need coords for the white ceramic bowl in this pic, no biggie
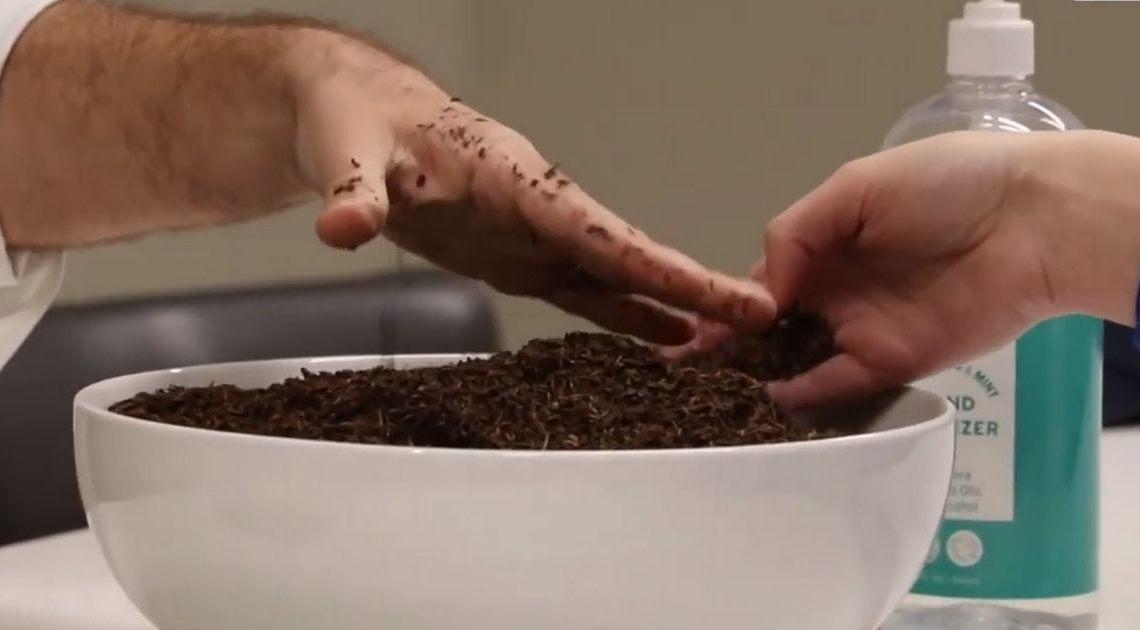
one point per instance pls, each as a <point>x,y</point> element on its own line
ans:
<point>220,531</point>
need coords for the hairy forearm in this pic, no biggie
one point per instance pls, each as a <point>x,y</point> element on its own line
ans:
<point>1090,183</point>
<point>114,123</point>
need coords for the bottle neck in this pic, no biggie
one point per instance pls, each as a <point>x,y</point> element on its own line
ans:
<point>989,86</point>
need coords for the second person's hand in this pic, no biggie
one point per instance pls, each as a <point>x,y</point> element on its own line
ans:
<point>928,254</point>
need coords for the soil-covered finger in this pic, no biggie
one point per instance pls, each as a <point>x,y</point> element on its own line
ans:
<point>626,314</point>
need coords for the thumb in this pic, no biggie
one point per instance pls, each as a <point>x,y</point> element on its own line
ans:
<point>346,150</point>
<point>828,218</point>
<point>356,205</point>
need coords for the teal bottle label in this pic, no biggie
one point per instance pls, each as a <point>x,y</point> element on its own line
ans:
<point>1021,517</point>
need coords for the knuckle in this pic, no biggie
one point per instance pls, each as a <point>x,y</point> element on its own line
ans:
<point>853,173</point>
<point>778,230</point>
<point>515,139</point>
<point>507,139</point>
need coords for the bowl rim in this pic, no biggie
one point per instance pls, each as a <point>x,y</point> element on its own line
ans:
<point>84,409</point>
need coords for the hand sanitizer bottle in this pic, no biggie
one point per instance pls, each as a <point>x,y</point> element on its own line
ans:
<point>1019,541</point>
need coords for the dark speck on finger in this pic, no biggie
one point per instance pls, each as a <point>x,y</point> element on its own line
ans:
<point>421,180</point>
<point>482,153</point>
<point>354,163</point>
<point>599,232</point>
<point>533,183</point>
<point>550,172</point>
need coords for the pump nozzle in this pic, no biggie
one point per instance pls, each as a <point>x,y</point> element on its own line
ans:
<point>991,39</point>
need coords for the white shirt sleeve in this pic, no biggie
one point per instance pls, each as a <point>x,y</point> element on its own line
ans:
<point>29,281</point>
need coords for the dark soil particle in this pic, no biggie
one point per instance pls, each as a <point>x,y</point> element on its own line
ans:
<point>795,344</point>
<point>583,391</point>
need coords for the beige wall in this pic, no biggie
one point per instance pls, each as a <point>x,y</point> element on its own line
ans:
<point>696,120</point>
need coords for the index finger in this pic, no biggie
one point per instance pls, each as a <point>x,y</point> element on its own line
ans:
<point>621,255</point>
<point>826,218</point>
<point>625,257</point>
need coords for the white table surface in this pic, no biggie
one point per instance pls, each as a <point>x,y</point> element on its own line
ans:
<point>62,582</point>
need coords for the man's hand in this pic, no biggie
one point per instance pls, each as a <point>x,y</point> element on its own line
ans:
<point>395,155</point>
<point>932,253</point>
<point>117,123</point>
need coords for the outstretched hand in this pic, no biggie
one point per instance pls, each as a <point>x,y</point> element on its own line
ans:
<point>397,156</point>
<point>928,254</point>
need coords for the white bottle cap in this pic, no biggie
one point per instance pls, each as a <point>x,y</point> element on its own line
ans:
<point>991,39</point>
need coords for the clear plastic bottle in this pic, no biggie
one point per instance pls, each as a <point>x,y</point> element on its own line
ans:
<point>1019,542</point>
<point>982,103</point>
